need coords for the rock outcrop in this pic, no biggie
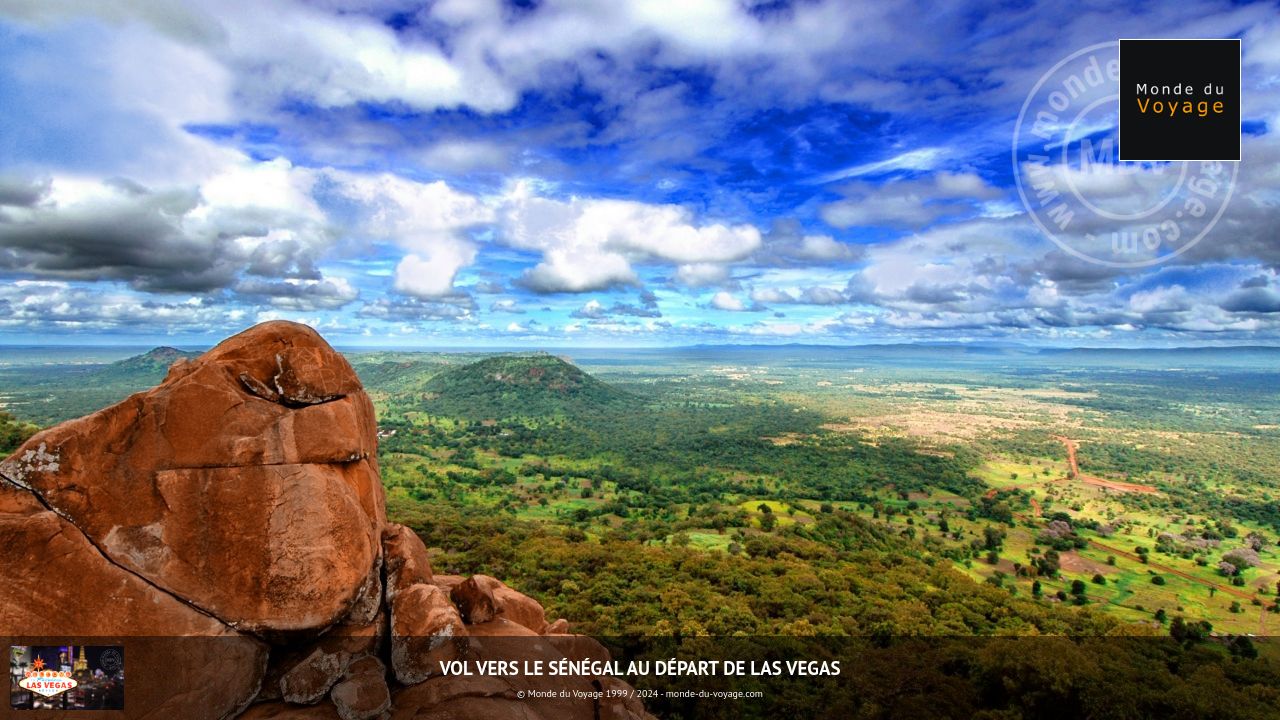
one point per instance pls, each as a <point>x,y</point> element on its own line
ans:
<point>228,527</point>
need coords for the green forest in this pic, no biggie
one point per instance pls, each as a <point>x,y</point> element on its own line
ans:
<point>859,505</point>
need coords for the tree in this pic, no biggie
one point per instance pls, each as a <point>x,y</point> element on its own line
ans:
<point>1098,579</point>
<point>1241,646</point>
<point>768,521</point>
<point>1157,580</point>
<point>1189,633</point>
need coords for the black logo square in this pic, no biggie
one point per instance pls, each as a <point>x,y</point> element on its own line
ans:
<point>1179,100</point>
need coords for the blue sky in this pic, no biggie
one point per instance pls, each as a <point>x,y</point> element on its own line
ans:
<point>592,173</point>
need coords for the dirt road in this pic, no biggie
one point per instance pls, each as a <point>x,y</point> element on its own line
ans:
<point>1116,485</point>
<point>1172,571</point>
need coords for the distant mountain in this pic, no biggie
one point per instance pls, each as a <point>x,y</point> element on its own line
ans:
<point>991,351</point>
<point>514,385</point>
<point>143,370</point>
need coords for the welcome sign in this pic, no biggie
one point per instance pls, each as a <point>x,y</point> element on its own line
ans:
<point>66,677</point>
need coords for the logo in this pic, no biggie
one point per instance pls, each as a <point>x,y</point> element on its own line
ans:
<point>1082,196</point>
<point>47,682</point>
<point>1180,100</point>
<point>66,677</point>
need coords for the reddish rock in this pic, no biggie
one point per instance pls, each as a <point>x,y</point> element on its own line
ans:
<point>310,679</point>
<point>447,582</point>
<point>246,483</point>
<point>407,560</point>
<point>580,647</point>
<point>500,627</point>
<point>283,711</point>
<point>425,630</point>
<point>481,598</point>
<point>621,703</point>
<point>363,692</point>
<point>368,605</point>
<point>58,585</point>
<point>559,627</point>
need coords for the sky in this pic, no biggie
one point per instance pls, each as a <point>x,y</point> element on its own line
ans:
<point>590,173</point>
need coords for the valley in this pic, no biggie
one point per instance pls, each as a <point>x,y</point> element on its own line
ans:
<point>830,491</point>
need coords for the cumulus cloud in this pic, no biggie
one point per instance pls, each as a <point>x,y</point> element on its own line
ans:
<point>724,300</point>
<point>299,294</point>
<point>591,310</point>
<point>430,220</point>
<point>787,245</point>
<point>43,305</point>
<point>589,244</point>
<point>772,296</point>
<point>818,295</point>
<point>697,275</point>
<point>431,274</point>
<point>506,305</point>
<point>254,218</point>
<point>412,309</point>
<point>812,295</point>
<point>157,96</point>
<point>595,310</point>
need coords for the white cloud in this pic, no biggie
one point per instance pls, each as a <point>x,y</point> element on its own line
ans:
<point>1173,298</point>
<point>771,296</point>
<point>505,305</point>
<point>727,301</point>
<point>464,156</point>
<point>566,270</point>
<point>427,219</point>
<point>431,274</point>
<point>589,244</point>
<point>909,203</point>
<point>36,305</point>
<point>696,275</point>
<point>592,309</point>
<point>919,159</point>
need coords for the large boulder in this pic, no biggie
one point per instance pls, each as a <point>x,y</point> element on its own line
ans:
<point>407,560</point>
<point>227,527</point>
<point>481,598</point>
<point>363,693</point>
<point>426,630</point>
<point>58,585</point>
<point>245,484</point>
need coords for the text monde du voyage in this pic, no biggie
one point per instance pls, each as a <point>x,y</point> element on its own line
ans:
<point>1181,99</point>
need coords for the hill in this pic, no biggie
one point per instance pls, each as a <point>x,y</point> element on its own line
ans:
<point>143,370</point>
<point>519,385</point>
